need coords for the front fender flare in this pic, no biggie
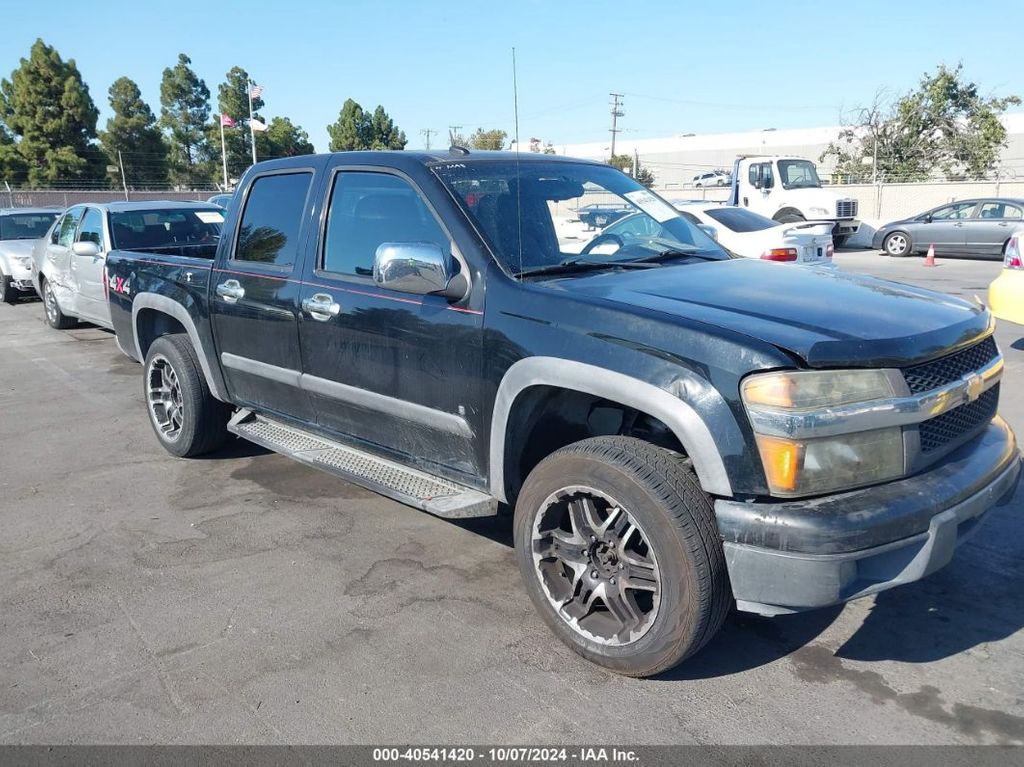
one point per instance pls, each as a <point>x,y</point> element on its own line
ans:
<point>674,411</point>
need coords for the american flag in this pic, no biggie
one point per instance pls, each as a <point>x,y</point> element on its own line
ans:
<point>255,91</point>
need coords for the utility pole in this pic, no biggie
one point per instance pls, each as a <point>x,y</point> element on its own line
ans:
<point>616,114</point>
<point>453,131</point>
<point>427,133</point>
<point>636,163</point>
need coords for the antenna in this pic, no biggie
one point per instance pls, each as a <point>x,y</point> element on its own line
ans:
<point>519,201</point>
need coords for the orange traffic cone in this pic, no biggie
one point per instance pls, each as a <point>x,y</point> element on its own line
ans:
<point>929,260</point>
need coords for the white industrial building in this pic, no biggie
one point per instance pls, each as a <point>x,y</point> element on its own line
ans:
<point>675,160</point>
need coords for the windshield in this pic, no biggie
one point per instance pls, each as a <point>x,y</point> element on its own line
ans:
<point>798,174</point>
<point>740,220</point>
<point>26,226</point>
<point>541,215</point>
<point>170,228</point>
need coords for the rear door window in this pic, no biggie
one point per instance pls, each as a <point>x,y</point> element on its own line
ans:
<point>272,219</point>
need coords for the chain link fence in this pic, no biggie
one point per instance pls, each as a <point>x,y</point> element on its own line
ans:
<point>65,198</point>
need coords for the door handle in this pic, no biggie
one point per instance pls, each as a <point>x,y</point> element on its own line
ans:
<point>230,291</point>
<point>958,224</point>
<point>1004,223</point>
<point>321,306</point>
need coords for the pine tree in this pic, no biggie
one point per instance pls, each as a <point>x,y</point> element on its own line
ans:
<point>47,106</point>
<point>282,139</point>
<point>358,129</point>
<point>132,132</point>
<point>184,113</point>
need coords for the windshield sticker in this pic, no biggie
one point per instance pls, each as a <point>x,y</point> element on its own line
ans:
<point>210,216</point>
<point>657,209</point>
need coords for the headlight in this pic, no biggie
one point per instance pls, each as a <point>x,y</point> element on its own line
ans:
<point>819,211</point>
<point>796,464</point>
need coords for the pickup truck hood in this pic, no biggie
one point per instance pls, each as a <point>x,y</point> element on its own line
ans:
<point>826,317</point>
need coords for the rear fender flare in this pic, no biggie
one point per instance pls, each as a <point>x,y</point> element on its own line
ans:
<point>174,309</point>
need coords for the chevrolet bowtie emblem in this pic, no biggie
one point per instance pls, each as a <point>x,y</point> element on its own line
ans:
<point>975,385</point>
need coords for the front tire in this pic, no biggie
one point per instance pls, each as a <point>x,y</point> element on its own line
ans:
<point>620,553</point>
<point>8,294</point>
<point>185,416</point>
<point>897,244</point>
<point>55,318</point>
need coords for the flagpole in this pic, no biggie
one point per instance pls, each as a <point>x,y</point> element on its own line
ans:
<point>252,131</point>
<point>223,152</point>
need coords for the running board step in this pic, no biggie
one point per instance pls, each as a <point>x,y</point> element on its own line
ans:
<point>409,486</point>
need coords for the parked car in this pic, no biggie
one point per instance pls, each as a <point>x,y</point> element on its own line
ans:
<point>751,235</point>
<point>19,229</point>
<point>68,264</point>
<point>599,215</point>
<point>1006,293</point>
<point>221,200</point>
<point>980,227</point>
<point>715,178</point>
<point>679,430</point>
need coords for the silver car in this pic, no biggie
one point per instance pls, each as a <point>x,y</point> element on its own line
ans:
<point>19,229</point>
<point>979,227</point>
<point>68,265</point>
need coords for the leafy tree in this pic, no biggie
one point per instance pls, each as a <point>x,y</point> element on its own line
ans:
<point>548,148</point>
<point>385,134</point>
<point>488,139</point>
<point>13,169</point>
<point>357,129</point>
<point>621,161</point>
<point>283,139</point>
<point>132,131</point>
<point>184,112</point>
<point>233,99</point>
<point>645,176</point>
<point>944,127</point>
<point>48,107</point>
<point>351,130</point>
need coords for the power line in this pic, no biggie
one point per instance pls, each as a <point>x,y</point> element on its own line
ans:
<point>427,133</point>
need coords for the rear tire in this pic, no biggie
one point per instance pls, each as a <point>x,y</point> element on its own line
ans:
<point>55,318</point>
<point>897,244</point>
<point>185,416</point>
<point>620,553</point>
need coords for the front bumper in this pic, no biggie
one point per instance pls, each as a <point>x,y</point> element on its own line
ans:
<point>799,555</point>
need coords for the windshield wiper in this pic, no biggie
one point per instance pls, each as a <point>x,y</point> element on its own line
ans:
<point>575,265</point>
<point>671,253</point>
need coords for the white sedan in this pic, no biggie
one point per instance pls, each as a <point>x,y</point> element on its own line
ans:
<point>751,235</point>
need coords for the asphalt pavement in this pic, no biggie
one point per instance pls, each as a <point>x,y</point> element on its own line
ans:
<point>243,598</point>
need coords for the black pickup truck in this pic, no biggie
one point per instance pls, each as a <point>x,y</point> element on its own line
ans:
<point>678,430</point>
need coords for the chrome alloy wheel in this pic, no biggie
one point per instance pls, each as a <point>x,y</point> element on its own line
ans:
<point>164,398</point>
<point>50,303</point>
<point>896,244</point>
<point>596,566</point>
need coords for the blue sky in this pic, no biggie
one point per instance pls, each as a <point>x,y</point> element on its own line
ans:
<point>709,67</point>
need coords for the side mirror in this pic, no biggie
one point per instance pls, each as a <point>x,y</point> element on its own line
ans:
<point>709,230</point>
<point>86,249</point>
<point>757,182</point>
<point>927,218</point>
<point>768,183</point>
<point>421,268</point>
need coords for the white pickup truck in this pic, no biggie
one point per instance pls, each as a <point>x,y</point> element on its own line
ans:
<point>787,189</point>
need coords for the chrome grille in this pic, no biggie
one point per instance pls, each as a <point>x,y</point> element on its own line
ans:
<point>846,209</point>
<point>932,375</point>
<point>956,423</point>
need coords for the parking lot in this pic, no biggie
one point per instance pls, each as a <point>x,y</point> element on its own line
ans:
<point>244,598</point>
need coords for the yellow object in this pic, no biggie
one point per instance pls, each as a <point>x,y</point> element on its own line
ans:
<point>1006,296</point>
<point>781,459</point>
